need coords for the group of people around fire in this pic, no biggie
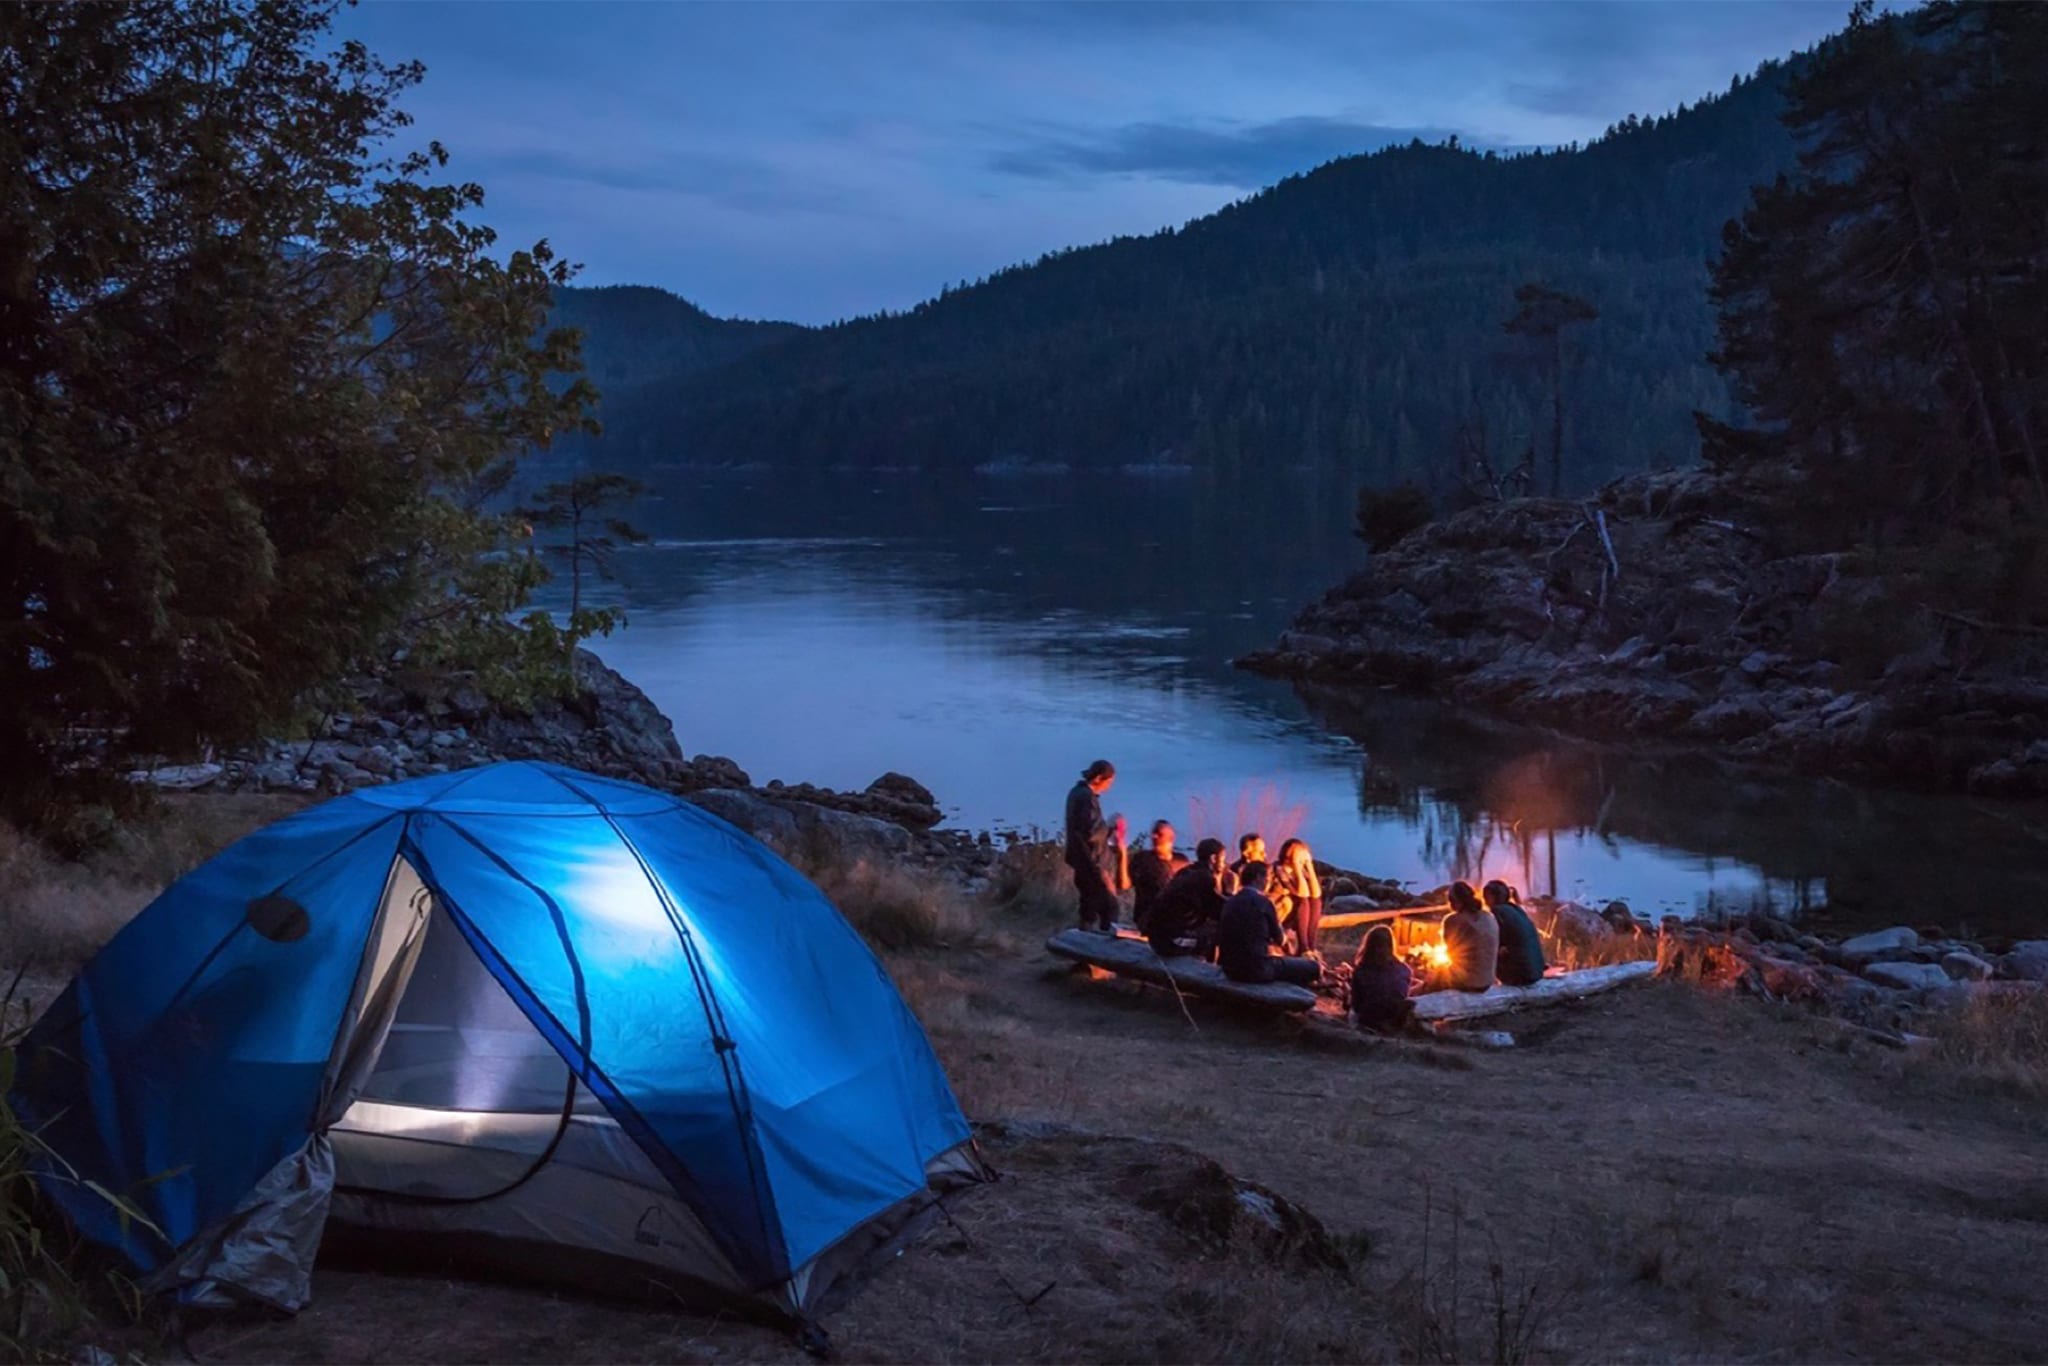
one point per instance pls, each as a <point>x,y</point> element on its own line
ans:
<point>1259,918</point>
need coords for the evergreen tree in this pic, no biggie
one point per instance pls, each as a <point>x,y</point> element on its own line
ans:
<point>1542,314</point>
<point>589,544</point>
<point>1882,309</point>
<point>256,374</point>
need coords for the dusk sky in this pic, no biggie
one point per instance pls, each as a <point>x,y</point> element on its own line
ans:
<point>814,162</point>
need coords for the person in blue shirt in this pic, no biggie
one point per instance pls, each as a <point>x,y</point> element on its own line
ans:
<point>1249,930</point>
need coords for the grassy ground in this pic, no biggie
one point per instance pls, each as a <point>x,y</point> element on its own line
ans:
<point>1656,1174</point>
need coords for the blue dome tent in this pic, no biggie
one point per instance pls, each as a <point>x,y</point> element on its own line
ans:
<point>518,1007</point>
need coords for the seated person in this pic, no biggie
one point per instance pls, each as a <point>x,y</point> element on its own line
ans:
<point>1182,918</point>
<point>1380,983</point>
<point>1250,849</point>
<point>1472,937</point>
<point>1151,870</point>
<point>1247,932</point>
<point>1521,948</point>
<point>1298,895</point>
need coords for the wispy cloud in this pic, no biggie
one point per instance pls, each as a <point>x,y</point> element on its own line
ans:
<point>1235,155</point>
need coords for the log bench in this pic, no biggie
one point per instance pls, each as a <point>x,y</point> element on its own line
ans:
<point>1563,986</point>
<point>1134,958</point>
<point>1127,955</point>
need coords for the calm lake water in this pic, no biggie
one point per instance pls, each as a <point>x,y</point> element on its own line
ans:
<point>992,636</point>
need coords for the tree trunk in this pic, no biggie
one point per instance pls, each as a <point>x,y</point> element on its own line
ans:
<point>1557,413</point>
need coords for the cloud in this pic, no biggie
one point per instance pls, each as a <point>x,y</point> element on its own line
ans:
<point>1238,155</point>
<point>731,181</point>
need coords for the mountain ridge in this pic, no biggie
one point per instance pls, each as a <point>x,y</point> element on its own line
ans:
<point>1346,319</point>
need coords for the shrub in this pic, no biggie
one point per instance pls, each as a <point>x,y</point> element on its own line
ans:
<point>896,909</point>
<point>1032,883</point>
<point>1385,516</point>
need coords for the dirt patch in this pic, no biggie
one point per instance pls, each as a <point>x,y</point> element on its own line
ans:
<point>1090,1248</point>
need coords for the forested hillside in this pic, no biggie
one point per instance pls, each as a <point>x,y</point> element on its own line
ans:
<point>1349,319</point>
<point>634,334</point>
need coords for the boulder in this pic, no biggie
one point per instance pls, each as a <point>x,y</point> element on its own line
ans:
<point>906,801</point>
<point>770,822</point>
<point>1880,941</point>
<point>1570,923</point>
<point>806,833</point>
<point>1907,976</point>
<point>2027,962</point>
<point>1965,967</point>
<point>178,777</point>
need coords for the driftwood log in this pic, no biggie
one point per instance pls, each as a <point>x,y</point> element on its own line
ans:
<point>1134,958</point>
<point>1345,912</point>
<point>1566,986</point>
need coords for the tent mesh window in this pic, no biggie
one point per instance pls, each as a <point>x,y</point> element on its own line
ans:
<point>467,1099</point>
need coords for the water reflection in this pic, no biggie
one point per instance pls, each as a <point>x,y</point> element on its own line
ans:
<point>992,636</point>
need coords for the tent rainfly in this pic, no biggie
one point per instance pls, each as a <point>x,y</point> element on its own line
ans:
<point>569,1022</point>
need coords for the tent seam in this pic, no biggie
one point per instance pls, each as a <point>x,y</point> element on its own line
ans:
<point>738,1095</point>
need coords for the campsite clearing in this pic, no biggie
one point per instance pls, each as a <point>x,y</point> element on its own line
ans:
<point>1663,1169</point>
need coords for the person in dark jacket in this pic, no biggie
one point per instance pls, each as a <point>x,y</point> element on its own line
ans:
<point>1151,869</point>
<point>1182,920</point>
<point>1521,947</point>
<point>1091,844</point>
<point>1248,931</point>
<point>1380,983</point>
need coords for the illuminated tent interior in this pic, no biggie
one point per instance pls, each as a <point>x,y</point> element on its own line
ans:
<point>556,1022</point>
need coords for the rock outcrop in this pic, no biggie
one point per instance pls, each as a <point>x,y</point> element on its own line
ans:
<point>1663,609</point>
<point>408,726</point>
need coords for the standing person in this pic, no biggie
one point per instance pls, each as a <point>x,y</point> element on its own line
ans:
<point>1521,948</point>
<point>1091,845</point>
<point>1151,869</point>
<point>1249,930</point>
<point>1294,877</point>
<point>1182,921</point>
<point>1380,983</point>
<point>1472,937</point>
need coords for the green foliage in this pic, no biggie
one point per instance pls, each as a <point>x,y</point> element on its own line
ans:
<point>1385,516</point>
<point>1881,308</point>
<point>575,508</point>
<point>52,1289</point>
<point>258,376</point>
<point>1337,320</point>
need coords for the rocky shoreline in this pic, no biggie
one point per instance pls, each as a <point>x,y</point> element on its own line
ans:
<point>1663,610</point>
<point>396,728</point>
<point>402,726</point>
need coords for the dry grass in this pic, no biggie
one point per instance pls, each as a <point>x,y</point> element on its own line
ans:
<point>1599,953</point>
<point>1031,886</point>
<point>1997,1041</point>
<point>898,910</point>
<point>1088,1249</point>
<point>1264,809</point>
<point>1461,1301</point>
<point>55,913</point>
